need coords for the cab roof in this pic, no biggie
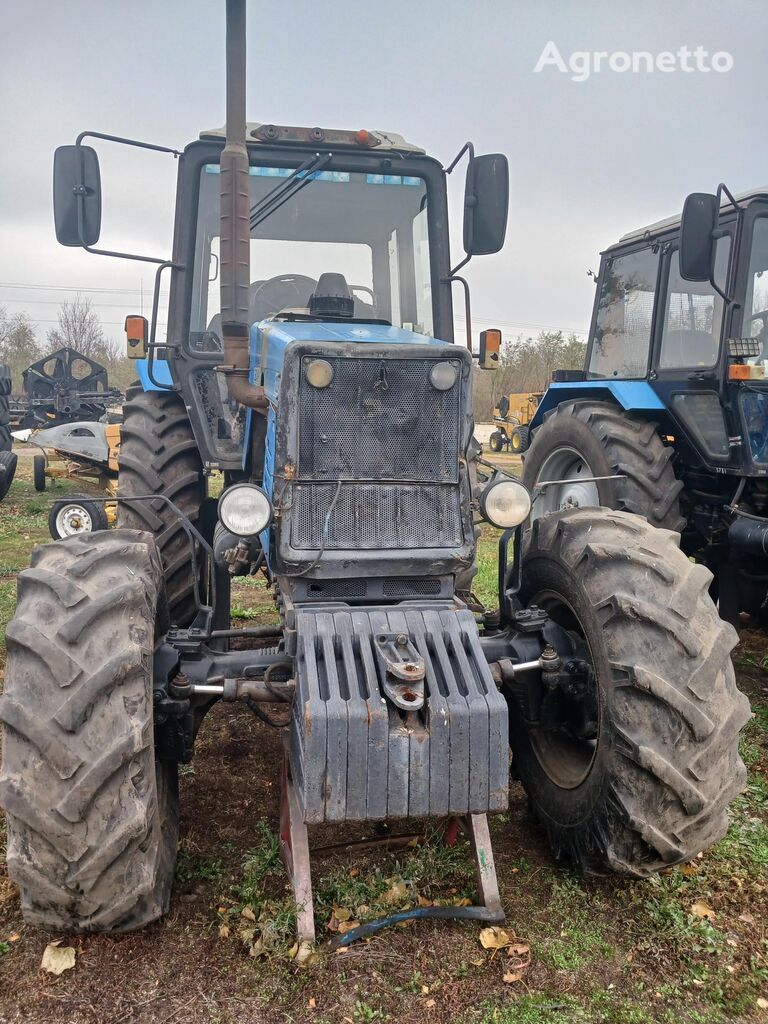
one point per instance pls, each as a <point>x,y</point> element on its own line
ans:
<point>364,139</point>
<point>670,223</point>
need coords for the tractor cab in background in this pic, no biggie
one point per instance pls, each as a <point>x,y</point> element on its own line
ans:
<point>674,392</point>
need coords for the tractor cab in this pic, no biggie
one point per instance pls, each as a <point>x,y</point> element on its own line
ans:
<point>692,353</point>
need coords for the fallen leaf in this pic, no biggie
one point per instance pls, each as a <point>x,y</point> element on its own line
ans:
<point>430,1003</point>
<point>248,914</point>
<point>347,926</point>
<point>14,937</point>
<point>424,902</point>
<point>495,938</point>
<point>354,872</point>
<point>312,1003</point>
<point>58,958</point>
<point>342,914</point>
<point>304,953</point>
<point>689,869</point>
<point>747,918</point>
<point>396,893</point>
<point>511,977</point>
<point>702,910</point>
<point>223,931</point>
<point>762,1003</point>
<point>425,990</point>
<point>518,949</point>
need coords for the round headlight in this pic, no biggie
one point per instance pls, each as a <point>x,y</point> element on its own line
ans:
<point>319,373</point>
<point>245,510</point>
<point>505,503</point>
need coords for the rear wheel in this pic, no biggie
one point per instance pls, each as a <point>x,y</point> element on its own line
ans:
<point>519,440</point>
<point>159,455</point>
<point>92,814</point>
<point>642,780</point>
<point>596,439</point>
<point>6,441</point>
<point>8,462</point>
<point>38,472</point>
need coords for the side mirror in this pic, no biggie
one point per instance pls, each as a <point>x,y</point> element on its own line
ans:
<point>490,345</point>
<point>697,242</point>
<point>486,204</point>
<point>76,195</point>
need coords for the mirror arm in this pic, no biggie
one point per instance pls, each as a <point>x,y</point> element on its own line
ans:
<point>152,346</point>
<point>468,147</point>
<point>717,232</point>
<point>81,192</point>
<point>467,307</point>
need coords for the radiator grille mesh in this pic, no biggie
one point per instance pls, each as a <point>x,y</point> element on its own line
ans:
<point>380,419</point>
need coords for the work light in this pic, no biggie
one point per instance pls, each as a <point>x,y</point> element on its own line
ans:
<point>245,510</point>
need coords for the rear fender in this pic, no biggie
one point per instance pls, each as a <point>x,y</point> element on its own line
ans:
<point>630,395</point>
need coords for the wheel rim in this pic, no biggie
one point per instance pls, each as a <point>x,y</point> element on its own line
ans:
<point>565,759</point>
<point>565,464</point>
<point>73,519</point>
<point>516,442</point>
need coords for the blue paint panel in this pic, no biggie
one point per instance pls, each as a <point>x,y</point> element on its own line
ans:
<point>161,371</point>
<point>631,395</point>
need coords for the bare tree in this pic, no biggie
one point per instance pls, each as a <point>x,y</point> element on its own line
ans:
<point>526,364</point>
<point>18,344</point>
<point>79,327</point>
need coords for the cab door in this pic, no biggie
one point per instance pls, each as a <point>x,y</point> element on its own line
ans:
<point>689,364</point>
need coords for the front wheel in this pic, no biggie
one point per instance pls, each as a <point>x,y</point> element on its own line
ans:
<point>76,514</point>
<point>497,441</point>
<point>643,780</point>
<point>92,812</point>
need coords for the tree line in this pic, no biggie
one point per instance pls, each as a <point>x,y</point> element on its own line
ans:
<point>78,327</point>
<point>526,364</point>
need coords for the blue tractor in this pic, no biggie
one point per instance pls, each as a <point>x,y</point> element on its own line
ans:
<point>669,419</point>
<point>325,388</point>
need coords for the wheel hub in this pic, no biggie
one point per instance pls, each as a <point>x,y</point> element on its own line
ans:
<point>577,490</point>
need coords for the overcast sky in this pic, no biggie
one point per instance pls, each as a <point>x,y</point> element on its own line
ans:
<point>589,160</point>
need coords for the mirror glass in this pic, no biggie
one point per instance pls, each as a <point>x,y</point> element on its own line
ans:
<point>486,202</point>
<point>696,243</point>
<point>76,195</point>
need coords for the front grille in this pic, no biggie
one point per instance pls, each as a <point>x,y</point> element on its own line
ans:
<point>375,516</point>
<point>380,419</point>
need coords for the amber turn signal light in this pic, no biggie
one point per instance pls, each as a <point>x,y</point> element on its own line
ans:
<point>490,347</point>
<point>136,333</point>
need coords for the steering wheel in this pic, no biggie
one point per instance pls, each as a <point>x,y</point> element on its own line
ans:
<point>280,292</point>
<point>762,336</point>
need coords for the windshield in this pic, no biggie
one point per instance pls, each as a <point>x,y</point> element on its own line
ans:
<point>369,228</point>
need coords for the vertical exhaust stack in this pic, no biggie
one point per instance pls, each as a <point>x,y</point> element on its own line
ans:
<point>235,223</point>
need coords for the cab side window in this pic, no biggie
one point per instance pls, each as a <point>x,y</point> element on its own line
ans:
<point>622,339</point>
<point>693,316</point>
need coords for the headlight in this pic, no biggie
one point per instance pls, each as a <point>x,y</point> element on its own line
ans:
<point>245,510</point>
<point>505,503</point>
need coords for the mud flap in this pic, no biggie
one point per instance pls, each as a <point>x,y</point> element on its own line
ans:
<point>355,755</point>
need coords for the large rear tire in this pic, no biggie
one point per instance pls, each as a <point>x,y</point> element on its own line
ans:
<point>597,439</point>
<point>159,455</point>
<point>651,786</point>
<point>6,441</point>
<point>92,814</point>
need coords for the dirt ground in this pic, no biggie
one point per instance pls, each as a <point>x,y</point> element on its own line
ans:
<point>688,946</point>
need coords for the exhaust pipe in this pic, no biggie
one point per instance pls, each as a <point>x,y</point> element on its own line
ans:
<point>235,212</point>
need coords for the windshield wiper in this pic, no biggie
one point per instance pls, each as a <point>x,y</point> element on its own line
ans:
<point>288,188</point>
